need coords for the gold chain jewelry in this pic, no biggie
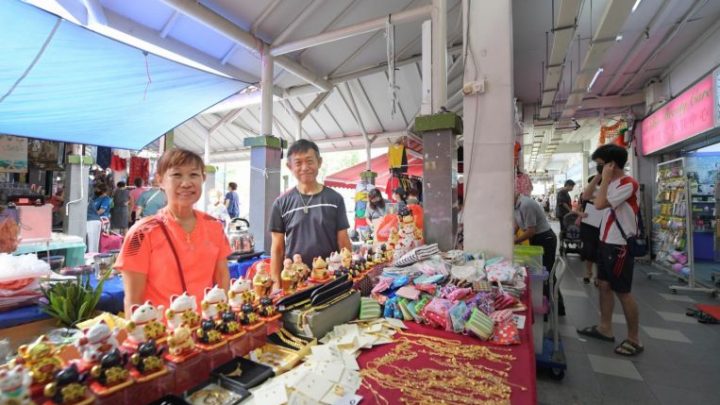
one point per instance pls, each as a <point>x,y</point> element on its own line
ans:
<point>289,342</point>
<point>460,380</point>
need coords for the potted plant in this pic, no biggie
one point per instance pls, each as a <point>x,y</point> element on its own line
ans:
<point>70,302</point>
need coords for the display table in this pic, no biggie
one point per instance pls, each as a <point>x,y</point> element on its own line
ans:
<point>111,300</point>
<point>522,372</point>
<point>74,247</point>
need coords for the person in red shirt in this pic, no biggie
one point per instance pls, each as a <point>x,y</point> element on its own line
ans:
<point>615,263</point>
<point>178,249</point>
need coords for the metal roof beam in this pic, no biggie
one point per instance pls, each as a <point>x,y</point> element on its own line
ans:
<point>353,30</point>
<point>225,27</point>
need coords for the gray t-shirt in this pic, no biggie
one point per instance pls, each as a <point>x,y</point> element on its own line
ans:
<point>529,213</point>
<point>310,233</point>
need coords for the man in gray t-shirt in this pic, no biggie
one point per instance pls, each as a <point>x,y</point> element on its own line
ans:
<point>530,215</point>
<point>310,219</point>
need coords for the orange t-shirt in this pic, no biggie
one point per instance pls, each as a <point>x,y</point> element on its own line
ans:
<point>146,250</point>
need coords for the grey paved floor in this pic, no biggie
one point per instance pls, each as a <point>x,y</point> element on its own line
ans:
<point>680,364</point>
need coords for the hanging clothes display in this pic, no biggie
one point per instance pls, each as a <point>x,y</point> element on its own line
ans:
<point>104,155</point>
<point>397,157</point>
<point>118,164</point>
<point>139,168</point>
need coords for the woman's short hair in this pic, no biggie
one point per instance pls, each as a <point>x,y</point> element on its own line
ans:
<point>179,157</point>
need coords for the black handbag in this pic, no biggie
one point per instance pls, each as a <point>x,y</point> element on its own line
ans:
<point>637,244</point>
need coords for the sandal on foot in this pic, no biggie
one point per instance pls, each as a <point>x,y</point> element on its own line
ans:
<point>629,348</point>
<point>586,280</point>
<point>593,332</point>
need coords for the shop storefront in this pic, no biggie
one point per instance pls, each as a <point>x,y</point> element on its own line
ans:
<point>684,135</point>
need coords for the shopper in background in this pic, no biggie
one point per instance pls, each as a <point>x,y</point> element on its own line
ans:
<point>179,249</point>
<point>151,201</point>
<point>232,201</point>
<point>413,197</point>
<point>98,209</point>
<point>563,202</point>
<point>619,193</point>
<point>590,227</point>
<point>533,225</point>
<point>376,207</point>
<point>120,218</point>
<point>135,196</point>
<point>217,207</point>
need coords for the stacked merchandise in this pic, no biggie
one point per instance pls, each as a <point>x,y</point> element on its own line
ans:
<point>670,222</point>
<point>19,280</point>
<point>460,293</point>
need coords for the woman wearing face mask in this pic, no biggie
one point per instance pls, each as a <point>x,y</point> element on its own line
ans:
<point>376,206</point>
<point>98,209</point>
<point>177,249</point>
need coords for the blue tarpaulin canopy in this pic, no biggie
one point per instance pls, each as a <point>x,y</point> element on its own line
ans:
<point>62,82</point>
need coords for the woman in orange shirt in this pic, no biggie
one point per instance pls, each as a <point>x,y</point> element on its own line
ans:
<point>178,249</point>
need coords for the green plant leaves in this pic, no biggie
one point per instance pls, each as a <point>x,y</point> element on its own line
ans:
<point>71,302</point>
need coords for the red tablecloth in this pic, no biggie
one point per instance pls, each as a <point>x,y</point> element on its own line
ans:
<point>522,372</point>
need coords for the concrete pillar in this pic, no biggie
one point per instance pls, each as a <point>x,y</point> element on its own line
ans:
<point>265,157</point>
<point>368,177</point>
<point>439,54</point>
<point>77,171</point>
<point>585,169</point>
<point>488,135</point>
<point>440,177</point>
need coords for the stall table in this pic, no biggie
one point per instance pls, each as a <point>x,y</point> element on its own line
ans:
<point>522,372</point>
<point>74,247</point>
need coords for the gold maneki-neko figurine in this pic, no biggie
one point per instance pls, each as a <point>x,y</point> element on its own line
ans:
<point>41,359</point>
<point>289,277</point>
<point>181,345</point>
<point>320,273</point>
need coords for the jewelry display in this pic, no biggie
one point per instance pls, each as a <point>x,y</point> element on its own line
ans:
<point>213,394</point>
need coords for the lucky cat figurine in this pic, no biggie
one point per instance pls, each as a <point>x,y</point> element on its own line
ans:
<point>41,360</point>
<point>145,323</point>
<point>111,371</point>
<point>68,387</point>
<point>346,257</point>
<point>262,282</point>
<point>181,342</point>
<point>147,359</point>
<point>248,315</point>
<point>183,311</point>
<point>228,324</point>
<point>240,292</point>
<point>207,333</point>
<point>319,271</point>
<point>266,308</point>
<point>214,303</point>
<point>334,262</point>
<point>96,341</point>
<point>15,386</point>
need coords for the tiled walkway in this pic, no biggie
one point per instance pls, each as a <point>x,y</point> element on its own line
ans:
<point>680,364</point>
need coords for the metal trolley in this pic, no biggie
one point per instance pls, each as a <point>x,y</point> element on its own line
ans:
<point>552,357</point>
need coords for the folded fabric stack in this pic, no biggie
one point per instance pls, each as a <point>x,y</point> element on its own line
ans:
<point>476,296</point>
<point>418,254</point>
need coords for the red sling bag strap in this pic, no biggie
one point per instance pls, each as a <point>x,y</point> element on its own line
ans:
<point>161,222</point>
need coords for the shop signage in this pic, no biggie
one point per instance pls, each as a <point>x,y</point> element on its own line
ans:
<point>689,114</point>
<point>13,154</point>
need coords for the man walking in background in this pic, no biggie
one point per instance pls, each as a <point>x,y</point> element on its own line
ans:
<point>563,203</point>
<point>232,201</point>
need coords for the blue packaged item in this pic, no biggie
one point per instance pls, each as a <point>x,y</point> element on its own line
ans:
<point>399,282</point>
<point>389,310</point>
<point>457,316</point>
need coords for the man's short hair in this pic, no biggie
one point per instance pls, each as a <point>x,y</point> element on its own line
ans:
<point>611,153</point>
<point>569,183</point>
<point>138,182</point>
<point>232,185</point>
<point>301,146</point>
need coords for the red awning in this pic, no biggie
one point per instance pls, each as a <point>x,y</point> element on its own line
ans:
<point>350,177</point>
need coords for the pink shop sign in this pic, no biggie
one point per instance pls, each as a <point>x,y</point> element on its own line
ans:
<point>689,114</point>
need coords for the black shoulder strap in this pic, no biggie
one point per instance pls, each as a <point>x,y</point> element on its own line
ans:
<point>161,223</point>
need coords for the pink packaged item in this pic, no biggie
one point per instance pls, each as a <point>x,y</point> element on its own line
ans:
<point>437,312</point>
<point>408,292</point>
<point>383,284</point>
<point>501,316</point>
<point>459,294</point>
<point>506,334</point>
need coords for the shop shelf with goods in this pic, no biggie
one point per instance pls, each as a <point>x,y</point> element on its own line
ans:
<point>672,228</point>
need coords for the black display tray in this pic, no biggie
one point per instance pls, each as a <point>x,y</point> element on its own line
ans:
<point>253,374</point>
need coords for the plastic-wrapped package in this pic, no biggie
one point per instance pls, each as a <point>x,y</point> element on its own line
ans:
<point>457,317</point>
<point>437,313</point>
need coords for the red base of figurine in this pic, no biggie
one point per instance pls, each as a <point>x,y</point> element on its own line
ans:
<point>272,324</point>
<point>319,280</point>
<point>89,399</point>
<point>141,378</point>
<point>255,326</point>
<point>230,338</point>
<point>239,347</point>
<point>103,391</point>
<point>208,347</point>
<point>182,357</point>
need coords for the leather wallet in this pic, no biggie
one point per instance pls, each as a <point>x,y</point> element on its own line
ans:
<point>327,295</point>
<point>329,286</point>
<point>243,372</point>
<point>286,303</point>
